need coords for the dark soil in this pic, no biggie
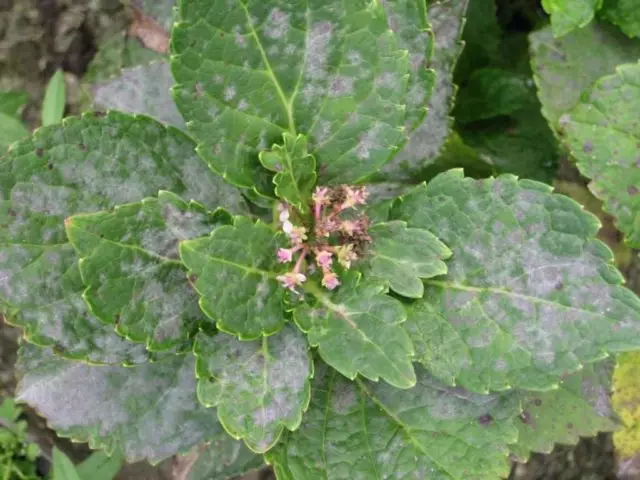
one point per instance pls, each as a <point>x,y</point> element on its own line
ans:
<point>39,36</point>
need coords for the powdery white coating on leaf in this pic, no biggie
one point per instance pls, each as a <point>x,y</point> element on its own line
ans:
<point>277,24</point>
<point>149,411</point>
<point>543,306</point>
<point>317,47</point>
<point>259,387</point>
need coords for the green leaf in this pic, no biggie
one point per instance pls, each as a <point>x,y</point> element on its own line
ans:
<point>295,170</point>
<point>568,15</point>
<point>408,20</point>
<point>11,130</point>
<point>141,89</point>
<point>403,256</point>
<point>224,459</point>
<point>580,407</point>
<point>100,466</point>
<point>604,137</point>
<point>358,330</point>
<point>259,387</point>
<point>426,141</point>
<point>147,412</point>
<point>566,67</point>
<point>129,262</point>
<point>330,70</point>
<point>85,165</point>
<point>626,403</point>
<point>55,99</point>
<point>12,103</point>
<point>63,468</point>
<point>529,289</point>
<point>375,431</point>
<point>625,14</point>
<point>234,272</point>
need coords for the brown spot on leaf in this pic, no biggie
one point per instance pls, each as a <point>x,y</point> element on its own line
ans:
<point>39,152</point>
<point>525,417</point>
<point>485,419</point>
<point>149,32</point>
<point>587,147</point>
<point>116,319</point>
<point>82,146</point>
<point>570,425</point>
<point>632,190</point>
<point>50,166</point>
<point>537,402</point>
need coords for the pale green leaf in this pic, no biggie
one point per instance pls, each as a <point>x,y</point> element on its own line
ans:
<point>529,289</point>
<point>13,102</point>
<point>626,403</point>
<point>580,407</point>
<point>358,330</point>
<point>11,130</point>
<point>148,411</point>
<point>604,136</point>
<point>374,431</point>
<point>63,468</point>
<point>623,13</point>
<point>328,69</point>
<point>295,170</point>
<point>564,68</point>
<point>234,272</point>
<point>568,15</point>
<point>100,466</point>
<point>55,99</point>
<point>85,165</point>
<point>129,262</point>
<point>259,387</point>
<point>426,141</point>
<point>403,256</point>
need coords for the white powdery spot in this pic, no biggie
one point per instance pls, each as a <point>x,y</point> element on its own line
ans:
<point>354,58</point>
<point>369,142</point>
<point>318,41</point>
<point>242,104</point>
<point>229,92</point>
<point>340,86</point>
<point>290,49</point>
<point>218,79</point>
<point>344,398</point>
<point>240,39</point>
<point>277,24</point>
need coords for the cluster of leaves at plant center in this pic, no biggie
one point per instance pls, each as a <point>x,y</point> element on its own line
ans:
<point>271,234</point>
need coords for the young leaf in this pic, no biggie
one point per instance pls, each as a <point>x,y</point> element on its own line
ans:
<point>364,430</point>
<point>259,387</point>
<point>55,99</point>
<point>623,13</point>
<point>129,262</point>
<point>328,69</point>
<point>295,170</point>
<point>568,15</point>
<point>604,137</point>
<point>566,67</point>
<point>224,459</point>
<point>424,144</point>
<point>100,466</point>
<point>403,256</point>
<point>148,412</point>
<point>626,403</point>
<point>358,330</point>
<point>234,271</point>
<point>63,468</point>
<point>85,165</point>
<point>529,289</point>
<point>580,407</point>
<point>408,20</point>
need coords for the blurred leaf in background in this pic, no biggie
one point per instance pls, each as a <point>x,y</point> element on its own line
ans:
<point>54,100</point>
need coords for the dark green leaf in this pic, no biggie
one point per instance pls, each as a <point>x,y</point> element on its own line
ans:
<point>55,99</point>
<point>148,412</point>
<point>12,103</point>
<point>130,264</point>
<point>568,15</point>
<point>566,67</point>
<point>531,292</point>
<point>625,14</point>
<point>358,330</point>
<point>295,170</point>
<point>403,256</point>
<point>328,69</point>
<point>482,36</point>
<point>426,141</point>
<point>374,431</point>
<point>604,136</point>
<point>85,165</point>
<point>580,407</point>
<point>234,272</point>
<point>100,466</point>
<point>259,387</point>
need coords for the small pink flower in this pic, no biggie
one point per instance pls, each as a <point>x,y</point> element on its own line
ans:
<point>330,280</point>
<point>349,227</point>
<point>326,227</point>
<point>346,255</point>
<point>291,280</point>
<point>284,215</point>
<point>285,255</point>
<point>324,259</point>
<point>354,196</point>
<point>298,235</point>
<point>287,227</point>
<point>321,196</point>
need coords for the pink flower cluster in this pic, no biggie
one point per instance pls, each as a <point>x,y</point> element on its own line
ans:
<point>332,237</point>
